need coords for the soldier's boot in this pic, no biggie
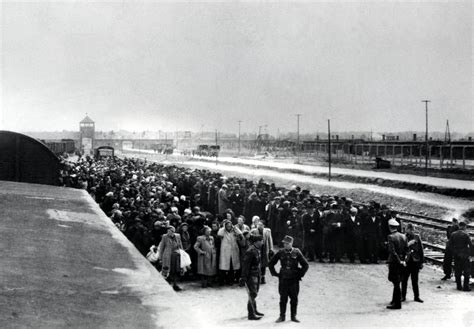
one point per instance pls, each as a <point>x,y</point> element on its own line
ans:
<point>458,283</point>
<point>255,308</point>
<point>282,316</point>
<point>293,312</point>
<point>204,282</point>
<point>466,283</point>
<point>251,312</point>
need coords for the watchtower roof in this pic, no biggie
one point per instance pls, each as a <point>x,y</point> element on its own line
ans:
<point>87,120</point>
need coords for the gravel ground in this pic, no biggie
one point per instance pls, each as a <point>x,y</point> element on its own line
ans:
<point>428,204</point>
<point>339,295</point>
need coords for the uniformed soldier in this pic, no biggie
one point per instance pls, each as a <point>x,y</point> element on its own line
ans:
<point>460,243</point>
<point>448,255</point>
<point>397,250</point>
<point>251,271</point>
<point>289,276</point>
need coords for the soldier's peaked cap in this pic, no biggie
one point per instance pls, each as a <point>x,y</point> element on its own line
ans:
<point>287,239</point>
<point>393,222</point>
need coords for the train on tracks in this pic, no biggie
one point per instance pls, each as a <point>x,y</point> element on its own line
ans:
<point>104,153</point>
<point>61,147</point>
<point>207,150</point>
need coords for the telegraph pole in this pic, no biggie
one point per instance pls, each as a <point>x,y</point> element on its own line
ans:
<point>240,121</point>
<point>257,144</point>
<point>177,138</point>
<point>329,148</point>
<point>298,135</point>
<point>216,148</point>
<point>426,136</point>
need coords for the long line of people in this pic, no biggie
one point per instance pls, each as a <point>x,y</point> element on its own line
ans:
<point>210,216</point>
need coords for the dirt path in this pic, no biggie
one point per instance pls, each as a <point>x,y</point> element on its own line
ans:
<point>339,295</point>
<point>417,202</point>
<point>312,169</point>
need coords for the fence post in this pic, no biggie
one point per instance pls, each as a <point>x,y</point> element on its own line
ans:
<point>401,157</point>
<point>429,155</point>
<point>441,157</point>
<point>463,157</point>
<point>451,155</point>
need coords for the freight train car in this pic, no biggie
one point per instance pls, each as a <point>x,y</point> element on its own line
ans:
<point>61,147</point>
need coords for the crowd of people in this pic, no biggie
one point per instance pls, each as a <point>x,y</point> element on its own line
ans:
<point>166,208</point>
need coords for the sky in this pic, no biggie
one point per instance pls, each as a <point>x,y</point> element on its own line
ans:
<point>192,66</point>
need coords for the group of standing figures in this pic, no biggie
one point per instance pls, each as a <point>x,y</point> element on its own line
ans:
<point>218,219</point>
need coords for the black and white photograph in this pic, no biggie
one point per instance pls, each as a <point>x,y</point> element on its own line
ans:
<point>236,164</point>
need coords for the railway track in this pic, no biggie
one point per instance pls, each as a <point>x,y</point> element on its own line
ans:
<point>433,253</point>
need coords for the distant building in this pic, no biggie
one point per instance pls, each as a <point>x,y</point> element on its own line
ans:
<point>87,136</point>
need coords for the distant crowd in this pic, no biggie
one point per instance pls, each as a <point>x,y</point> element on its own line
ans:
<point>164,208</point>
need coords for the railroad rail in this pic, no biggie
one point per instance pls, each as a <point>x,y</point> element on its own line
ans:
<point>433,253</point>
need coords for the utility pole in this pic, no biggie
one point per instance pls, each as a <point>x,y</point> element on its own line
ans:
<point>426,136</point>
<point>217,152</point>
<point>298,135</point>
<point>447,134</point>
<point>240,121</point>
<point>329,148</point>
<point>257,144</point>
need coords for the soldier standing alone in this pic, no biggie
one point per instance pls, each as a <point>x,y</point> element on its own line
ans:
<point>251,271</point>
<point>460,244</point>
<point>289,276</point>
<point>397,250</point>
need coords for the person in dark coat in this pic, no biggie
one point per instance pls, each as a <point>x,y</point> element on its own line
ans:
<point>352,234</point>
<point>310,222</point>
<point>254,207</point>
<point>319,246</point>
<point>236,200</point>
<point>207,260</point>
<point>293,267</point>
<point>170,256</point>
<point>414,263</point>
<point>273,215</point>
<point>397,250</point>
<point>460,243</point>
<point>250,277</point>
<point>384,216</point>
<point>370,237</point>
<point>335,237</point>
<point>448,254</point>
<point>295,228</point>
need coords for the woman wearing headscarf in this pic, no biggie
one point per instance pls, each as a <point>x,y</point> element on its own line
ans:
<point>170,256</point>
<point>206,250</point>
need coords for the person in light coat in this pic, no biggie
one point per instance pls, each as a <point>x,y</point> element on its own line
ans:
<point>267,248</point>
<point>223,202</point>
<point>206,250</point>
<point>229,260</point>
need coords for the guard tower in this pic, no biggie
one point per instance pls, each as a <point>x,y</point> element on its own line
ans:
<point>87,132</point>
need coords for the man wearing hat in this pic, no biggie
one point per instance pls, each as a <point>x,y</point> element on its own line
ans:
<point>250,277</point>
<point>397,250</point>
<point>289,276</point>
<point>460,244</point>
<point>415,259</point>
<point>222,199</point>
